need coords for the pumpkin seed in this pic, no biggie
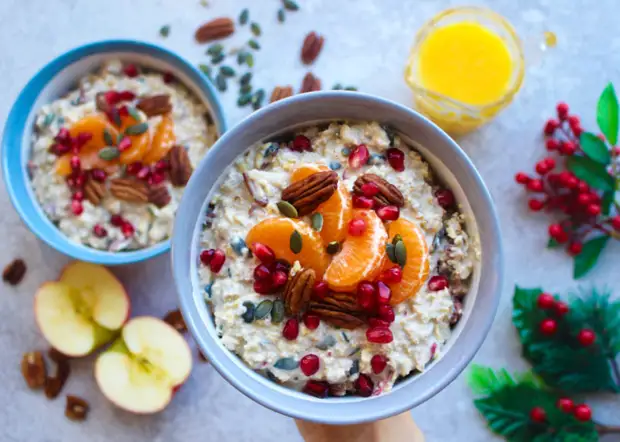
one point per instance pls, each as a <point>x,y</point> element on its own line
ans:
<point>288,210</point>
<point>333,247</point>
<point>249,60</point>
<point>376,159</point>
<point>109,153</point>
<point>217,58</point>
<point>164,31</point>
<point>335,165</point>
<point>281,15</point>
<point>286,364</point>
<point>355,367</point>
<point>246,78</point>
<point>295,242</point>
<point>397,238</point>
<point>290,5</point>
<point>254,45</point>
<point>256,30</point>
<point>220,82</point>
<point>137,129</point>
<point>246,89</point>
<point>107,137</point>
<point>272,150</point>
<point>244,16</point>
<point>248,316</point>
<point>400,251</point>
<point>277,312</point>
<point>337,87</point>
<point>350,88</point>
<point>227,71</point>
<point>263,309</point>
<point>241,57</point>
<point>346,151</point>
<point>49,119</point>
<point>327,342</point>
<point>258,98</point>
<point>390,134</point>
<point>389,249</point>
<point>346,337</point>
<point>206,69</point>
<point>244,99</point>
<point>208,289</point>
<point>116,116</point>
<point>215,49</point>
<point>317,221</point>
<point>355,350</point>
<point>134,114</point>
<point>238,245</point>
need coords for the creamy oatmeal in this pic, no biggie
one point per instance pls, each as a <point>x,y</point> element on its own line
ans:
<point>110,160</point>
<point>332,262</point>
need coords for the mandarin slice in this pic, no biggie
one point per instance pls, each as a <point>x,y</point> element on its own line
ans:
<point>163,140</point>
<point>140,144</point>
<point>337,210</point>
<point>417,266</point>
<point>276,234</point>
<point>361,258</point>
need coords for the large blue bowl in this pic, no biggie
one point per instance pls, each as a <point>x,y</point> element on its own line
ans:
<point>55,80</point>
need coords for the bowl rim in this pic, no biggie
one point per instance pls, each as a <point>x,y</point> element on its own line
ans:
<point>15,127</point>
<point>348,410</point>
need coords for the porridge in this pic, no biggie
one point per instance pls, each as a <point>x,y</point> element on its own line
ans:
<point>332,262</point>
<point>110,160</point>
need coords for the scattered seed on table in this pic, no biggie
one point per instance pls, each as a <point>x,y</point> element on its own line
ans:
<point>220,82</point>
<point>215,49</point>
<point>246,89</point>
<point>256,29</point>
<point>254,44</point>
<point>246,78</point>
<point>217,58</point>
<point>244,99</point>
<point>205,69</point>
<point>290,5</point>
<point>244,16</point>
<point>227,71</point>
<point>164,31</point>
<point>281,15</point>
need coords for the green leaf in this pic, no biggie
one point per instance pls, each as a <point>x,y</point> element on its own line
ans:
<point>607,114</point>
<point>525,314</point>
<point>608,200</point>
<point>589,255</point>
<point>485,381</point>
<point>593,173</point>
<point>595,148</point>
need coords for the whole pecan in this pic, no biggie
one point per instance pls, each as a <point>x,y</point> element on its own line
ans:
<point>307,194</point>
<point>297,291</point>
<point>280,93</point>
<point>388,195</point>
<point>33,369</point>
<point>130,190</point>
<point>310,83</point>
<point>339,309</point>
<point>155,105</point>
<point>14,272</point>
<point>159,195</point>
<point>180,166</point>
<point>214,30</point>
<point>94,191</point>
<point>313,43</point>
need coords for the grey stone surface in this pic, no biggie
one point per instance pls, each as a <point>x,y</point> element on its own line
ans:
<point>367,43</point>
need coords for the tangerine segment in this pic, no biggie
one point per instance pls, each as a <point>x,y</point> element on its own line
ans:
<point>337,210</point>
<point>361,258</point>
<point>416,269</point>
<point>276,234</point>
<point>140,144</point>
<point>163,140</point>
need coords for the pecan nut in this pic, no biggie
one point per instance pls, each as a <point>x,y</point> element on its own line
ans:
<point>297,291</point>
<point>388,195</point>
<point>313,43</point>
<point>306,195</point>
<point>280,93</point>
<point>54,384</point>
<point>310,83</point>
<point>94,191</point>
<point>33,369</point>
<point>77,408</point>
<point>180,166</point>
<point>214,30</point>
<point>155,105</point>
<point>14,272</point>
<point>130,190</point>
<point>339,310</point>
<point>159,196</point>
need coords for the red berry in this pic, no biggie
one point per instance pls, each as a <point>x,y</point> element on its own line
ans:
<point>583,199</point>
<point>548,326</point>
<point>320,289</point>
<point>116,220</point>
<point>370,189</point>
<point>393,275</point>
<point>100,231</point>
<point>542,168</point>
<point>396,159</point>
<point>538,414</point>
<point>535,185</point>
<point>445,198</point>
<point>555,230</point>
<point>291,329</point>
<point>205,255</point>
<point>593,209</point>
<point>279,278</point>
<point>124,144</point>
<point>357,227</point>
<point>565,404</point>
<point>364,385</point>
<point>384,293</point>
<point>562,109</point>
<point>586,337</point>
<point>309,364</point>
<point>127,229</point>
<point>583,187</point>
<point>376,322</point>
<point>318,389</point>
<point>366,295</point>
<point>217,261</point>
<point>582,413</point>
<point>362,202</point>
<point>568,148</point>
<point>535,205</point>
<point>312,321</point>
<point>359,156</point>
<point>131,70</point>
<point>263,253</point>
<point>262,272</point>
<point>134,168</point>
<point>522,178</point>
<point>378,363</point>
<point>126,95</point>
<point>143,173</point>
<point>615,222</point>
<point>545,301</point>
<point>386,313</point>
<point>573,120</point>
<point>78,196</point>
<point>561,308</point>
<point>575,248</point>
<point>75,163</point>
<point>437,283</point>
<point>263,287</point>
<point>552,144</point>
<point>76,208</point>
<point>379,335</point>
<point>388,213</point>
<point>301,143</point>
<point>98,175</point>
<point>551,126</point>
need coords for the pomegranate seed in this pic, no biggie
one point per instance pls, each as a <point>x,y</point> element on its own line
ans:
<point>217,261</point>
<point>593,209</point>
<point>357,227</point>
<point>116,220</point>
<point>83,138</point>
<point>548,327</point>
<point>379,335</point>
<point>437,283</point>
<point>562,109</point>
<point>582,413</point>
<point>78,196</point>
<point>281,265</point>
<point>157,178</point>
<point>301,143</point>
<point>162,166</point>
<point>370,189</point>
<point>279,278</point>
<point>263,287</point>
<point>112,97</point>
<point>552,144</point>
<point>263,253</point>
<point>366,295</point>
<point>143,173</point>
<point>75,163</point>
<point>565,404</point>
<point>127,229</point>
<point>134,168</point>
<point>98,175</point>
<point>309,364</point>
<point>318,389</point>
<point>59,149</point>
<point>168,77</point>
<point>364,385</point>
<point>378,363</point>
<point>384,294</point>
<point>126,95</point>
<point>575,248</point>
<point>388,213</point>
<point>538,414</point>
<point>376,322</point>
<point>362,202</point>
<point>359,156</point>
<point>123,111</point>
<point>63,137</point>
<point>131,70</point>
<point>535,205</point>
<point>396,158</point>
<point>205,255</point>
<point>76,208</point>
<point>312,321</point>
<point>291,329</point>
<point>586,337</point>
<point>445,198</point>
<point>392,275</point>
<point>551,126</point>
<point>615,222</point>
<point>80,180</point>
<point>262,272</point>
<point>320,289</point>
<point>568,148</point>
<point>100,231</point>
<point>535,185</point>
<point>545,301</point>
<point>386,312</point>
<point>124,144</point>
<point>561,308</point>
<point>522,178</point>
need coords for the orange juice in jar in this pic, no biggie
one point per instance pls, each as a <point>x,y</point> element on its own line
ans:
<point>466,65</point>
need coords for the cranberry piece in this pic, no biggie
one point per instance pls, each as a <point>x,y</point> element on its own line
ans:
<point>205,255</point>
<point>396,159</point>
<point>582,413</point>
<point>75,163</point>
<point>126,95</point>
<point>359,156</point>
<point>134,168</point>
<point>131,70</point>
<point>162,166</point>
<point>78,196</point>
<point>548,326</point>
<point>312,321</point>
<point>586,337</point>
<point>309,364</point>
<point>565,404</point>
<point>100,231</point>
<point>316,388</point>
<point>376,322</point>
<point>217,261</point>
<point>388,213</point>
<point>279,278</point>
<point>357,227</point>
<point>364,385</point>
<point>575,248</point>
<point>552,144</point>
<point>384,294</point>
<point>378,363</point>
<point>124,144</point>
<point>320,289</point>
<point>561,308</point>
<point>386,312</point>
<point>522,178</point>
<point>301,143</point>
<point>143,173</point>
<point>116,220</point>
<point>263,253</point>
<point>76,208</point>
<point>379,335</point>
<point>535,205</point>
<point>127,229</point>
<point>393,275</point>
<point>98,175</point>
<point>445,198</point>
<point>291,329</point>
<point>263,287</point>
<point>366,295</point>
<point>362,202</point>
<point>437,283</point>
<point>538,414</point>
<point>545,301</point>
<point>157,178</point>
<point>551,126</point>
<point>369,189</point>
<point>615,222</point>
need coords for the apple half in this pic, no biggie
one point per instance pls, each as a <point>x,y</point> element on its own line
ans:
<point>145,366</point>
<point>83,310</point>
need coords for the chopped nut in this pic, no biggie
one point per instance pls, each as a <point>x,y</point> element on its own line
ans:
<point>310,83</point>
<point>54,384</point>
<point>14,272</point>
<point>33,369</point>
<point>155,105</point>
<point>175,319</point>
<point>77,408</point>
<point>180,166</point>
<point>280,93</point>
<point>214,30</point>
<point>307,194</point>
<point>130,190</point>
<point>313,43</point>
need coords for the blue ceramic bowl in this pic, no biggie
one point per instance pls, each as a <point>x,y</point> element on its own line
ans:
<point>55,80</point>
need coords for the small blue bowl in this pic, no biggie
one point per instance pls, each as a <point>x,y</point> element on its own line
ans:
<point>55,80</point>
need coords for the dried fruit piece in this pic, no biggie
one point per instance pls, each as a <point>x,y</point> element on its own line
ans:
<point>280,93</point>
<point>310,83</point>
<point>307,194</point>
<point>155,105</point>
<point>313,43</point>
<point>180,166</point>
<point>77,408</point>
<point>33,369</point>
<point>388,194</point>
<point>175,319</point>
<point>54,384</point>
<point>298,291</point>
<point>94,191</point>
<point>214,30</point>
<point>14,272</point>
<point>129,189</point>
